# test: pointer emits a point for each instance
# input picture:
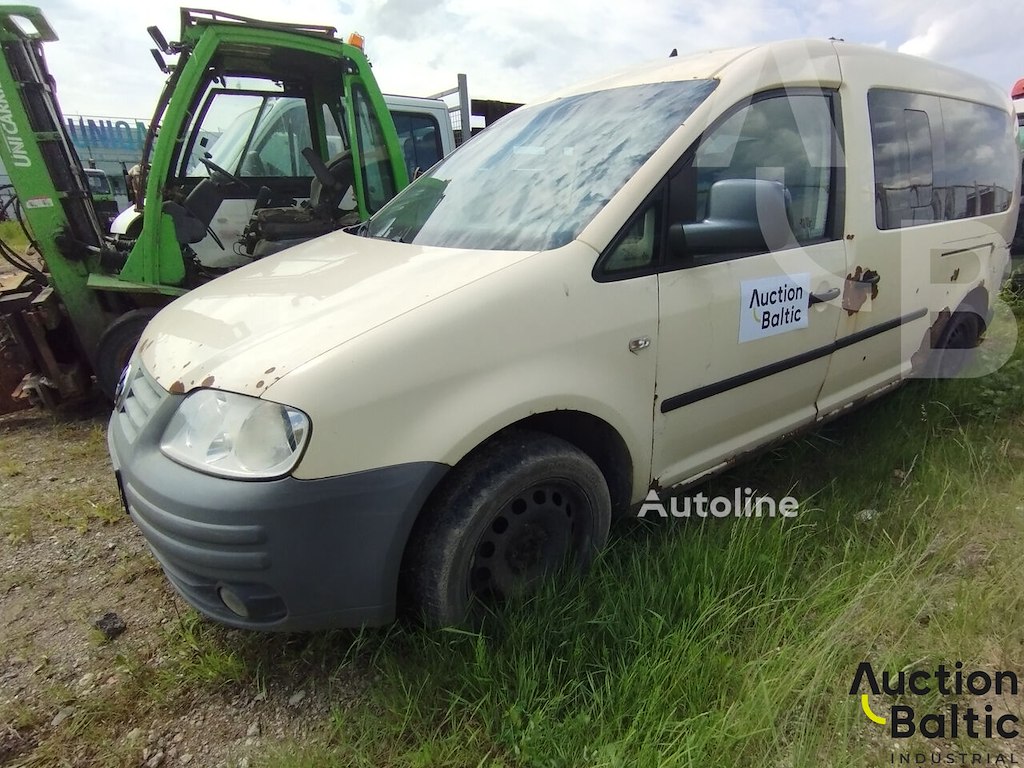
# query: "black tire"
(956, 344)
(506, 517)
(116, 345)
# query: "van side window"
(974, 163)
(904, 160)
(784, 138)
(637, 247)
(937, 158)
(420, 139)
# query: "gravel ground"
(170, 689)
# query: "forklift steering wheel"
(214, 168)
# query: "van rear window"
(938, 158)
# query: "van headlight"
(223, 433)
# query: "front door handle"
(821, 298)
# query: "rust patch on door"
(207, 382)
(859, 286)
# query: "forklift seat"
(192, 217)
(315, 217)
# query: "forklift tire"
(116, 346)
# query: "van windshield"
(537, 177)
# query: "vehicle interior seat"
(193, 216)
(316, 216)
(272, 229)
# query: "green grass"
(723, 642)
(11, 468)
(51, 495)
(733, 642)
(74, 506)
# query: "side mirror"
(158, 37)
(743, 215)
(160, 63)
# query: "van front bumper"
(283, 554)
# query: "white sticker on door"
(773, 305)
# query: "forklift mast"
(54, 200)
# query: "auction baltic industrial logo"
(954, 723)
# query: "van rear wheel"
(956, 345)
(506, 518)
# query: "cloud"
(982, 37)
(519, 50)
(929, 43)
(958, 34)
(410, 19)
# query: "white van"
(1017, 93)
(627, 286)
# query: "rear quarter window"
(938, 159)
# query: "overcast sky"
(517, 50)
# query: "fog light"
(234, 603)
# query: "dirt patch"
(172, 689)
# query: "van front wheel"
(507, 517)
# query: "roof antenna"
(675, 52)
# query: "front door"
(747, 332)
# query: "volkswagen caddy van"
(626, 286)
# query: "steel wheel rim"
(533, 535)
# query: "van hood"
(246, 330)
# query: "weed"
(201, 654)
(11, 468)
(733, 642)
(714, 642)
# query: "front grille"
(142, 396)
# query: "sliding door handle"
(821, 298)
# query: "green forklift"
(292, 110)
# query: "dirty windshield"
(539, 175)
